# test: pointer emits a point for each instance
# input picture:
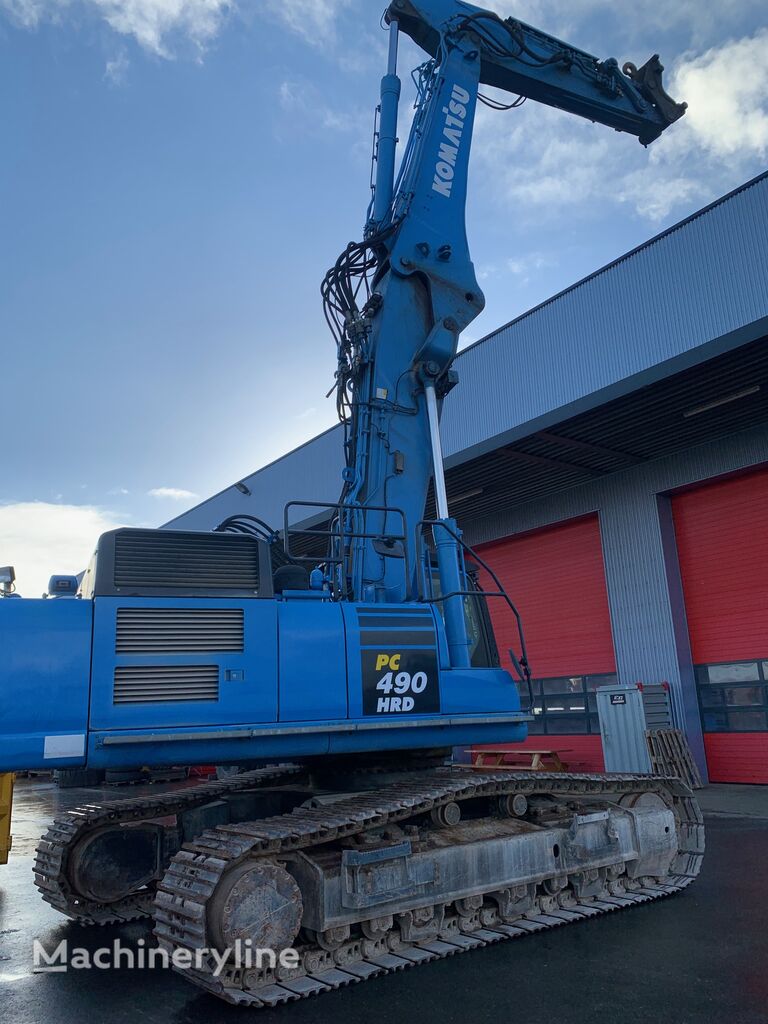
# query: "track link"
(56, 845)
(196, 871)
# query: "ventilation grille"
(178, 630)
(156, 558)
(165, 684)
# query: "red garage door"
(722, 543)
(556, 578)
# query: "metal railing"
(426, 593)
(339, 537)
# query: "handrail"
(340, 536)
(520, 664)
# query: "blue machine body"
(45, 682)
(183, 650)
(303, 684)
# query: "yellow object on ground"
(6, 803)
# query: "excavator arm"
(418, 285)
(520, 59)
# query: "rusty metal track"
(56, 845)
(181, 910)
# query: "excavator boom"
(396, 352)
(520, 59)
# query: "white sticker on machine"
(64, 746)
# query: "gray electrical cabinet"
(622, 729)
(657, 705)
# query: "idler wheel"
(256, 900)
(113, 862)
(643, 801)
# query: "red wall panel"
(722, 543)
(737, 756)
(556, 578)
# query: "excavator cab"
(484, 652)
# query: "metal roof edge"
(650, 375)
(593, 505)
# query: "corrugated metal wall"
(697, 282)
(649, 626)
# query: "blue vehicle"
(338, 659)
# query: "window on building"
(733, 697)
(567, 705)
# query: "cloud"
(727, 93)
(546, 162)
(315, 21)
(304, 102)
(151, 22)
(172, 493)
(27, 13)
(308, 113)
(636, 21)
(368, 56)
(154, 24)
(159, 26)
(524, 267)
(119, 490)
(655, 196)
(42, 539)
(116, 70)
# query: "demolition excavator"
(338, 659)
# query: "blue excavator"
(338, 659)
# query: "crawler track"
(181, 911)
(56, 845)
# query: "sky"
(177, 175)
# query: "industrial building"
(607, 453)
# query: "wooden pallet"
(521, 760)
(671, 755)
(6, 803)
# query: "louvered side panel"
(155, 558)
(178, 630)
(163, 684)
